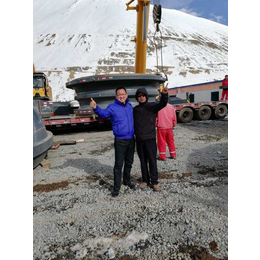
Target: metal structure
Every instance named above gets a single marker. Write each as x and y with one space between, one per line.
42 139
102 87
142 9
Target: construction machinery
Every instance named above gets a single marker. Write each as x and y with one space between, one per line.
142 9
102 87
41 88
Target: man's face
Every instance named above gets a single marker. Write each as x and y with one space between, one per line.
141 98
121 96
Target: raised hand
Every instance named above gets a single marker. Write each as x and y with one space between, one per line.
93 104
165 89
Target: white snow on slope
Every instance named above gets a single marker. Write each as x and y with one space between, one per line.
76 38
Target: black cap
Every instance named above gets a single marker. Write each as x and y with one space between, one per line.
141 91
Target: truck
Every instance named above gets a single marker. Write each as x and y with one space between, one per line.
198 101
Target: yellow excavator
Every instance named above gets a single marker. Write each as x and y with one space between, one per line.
41 88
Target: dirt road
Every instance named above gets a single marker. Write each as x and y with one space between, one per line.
75 216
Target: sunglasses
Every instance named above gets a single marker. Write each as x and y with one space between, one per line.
141 95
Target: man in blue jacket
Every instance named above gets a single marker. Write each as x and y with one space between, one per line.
121 116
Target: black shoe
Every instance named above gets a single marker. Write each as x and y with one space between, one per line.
131 186
114 193
174 158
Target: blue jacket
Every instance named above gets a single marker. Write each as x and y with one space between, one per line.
121 117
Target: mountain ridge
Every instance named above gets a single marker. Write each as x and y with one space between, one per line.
74 38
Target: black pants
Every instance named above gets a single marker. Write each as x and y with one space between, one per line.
124 155
147 152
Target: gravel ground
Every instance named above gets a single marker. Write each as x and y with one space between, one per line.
75 216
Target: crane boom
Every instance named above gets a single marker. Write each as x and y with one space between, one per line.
142 9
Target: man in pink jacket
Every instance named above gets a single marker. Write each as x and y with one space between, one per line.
165 121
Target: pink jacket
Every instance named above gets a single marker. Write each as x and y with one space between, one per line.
166 117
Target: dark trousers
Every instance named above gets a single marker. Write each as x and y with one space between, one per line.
124 155
147 152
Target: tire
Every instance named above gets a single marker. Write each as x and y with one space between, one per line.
185 115
203 113
221 111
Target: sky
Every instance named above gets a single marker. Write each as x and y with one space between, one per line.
215 10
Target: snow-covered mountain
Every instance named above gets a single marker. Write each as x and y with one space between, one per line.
76 38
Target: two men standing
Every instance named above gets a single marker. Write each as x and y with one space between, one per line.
126 122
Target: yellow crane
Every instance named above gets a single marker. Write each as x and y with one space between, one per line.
142 9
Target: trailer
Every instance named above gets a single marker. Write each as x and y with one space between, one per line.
201 111
185 112
86 118
73 122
